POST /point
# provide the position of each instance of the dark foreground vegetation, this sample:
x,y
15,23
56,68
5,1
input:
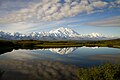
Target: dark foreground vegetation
x,y
106,72
6,46
1,74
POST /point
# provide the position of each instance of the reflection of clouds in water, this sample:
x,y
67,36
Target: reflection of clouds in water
x,y
18,54
107,57
38,70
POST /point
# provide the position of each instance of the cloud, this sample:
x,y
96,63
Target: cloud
x,y
52,10
118,1
17,27
26,27
109,22
99,4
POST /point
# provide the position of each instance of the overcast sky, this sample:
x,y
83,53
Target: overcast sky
x,y
83,16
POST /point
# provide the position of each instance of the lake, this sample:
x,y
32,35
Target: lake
x,y
51,62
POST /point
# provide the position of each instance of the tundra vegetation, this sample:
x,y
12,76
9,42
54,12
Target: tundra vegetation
x,y
107,71
44,44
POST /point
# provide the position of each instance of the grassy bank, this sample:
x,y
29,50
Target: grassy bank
x,y
37,44
105,72
41,44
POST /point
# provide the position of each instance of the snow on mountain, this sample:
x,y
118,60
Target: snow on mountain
x,y
64,32
56,34
95,35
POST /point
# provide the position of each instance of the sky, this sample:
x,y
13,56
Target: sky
x,y
83,16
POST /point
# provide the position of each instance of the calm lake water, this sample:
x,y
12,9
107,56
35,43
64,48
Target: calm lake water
x,y
80,56
52,61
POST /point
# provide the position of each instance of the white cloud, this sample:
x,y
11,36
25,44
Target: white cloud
x,y
17,27
109,22
99,4
118,1
51,10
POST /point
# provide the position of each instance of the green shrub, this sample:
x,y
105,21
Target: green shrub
x,y
105,72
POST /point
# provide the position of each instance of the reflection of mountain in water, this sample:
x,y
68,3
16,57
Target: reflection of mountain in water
x,y
95,47
63,50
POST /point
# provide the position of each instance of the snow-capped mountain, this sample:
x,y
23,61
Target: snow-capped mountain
x,y
56,34
63,32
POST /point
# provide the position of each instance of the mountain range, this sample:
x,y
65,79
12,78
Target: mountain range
x,y
56,34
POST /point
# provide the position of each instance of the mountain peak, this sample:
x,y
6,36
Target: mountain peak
x,y
64,31
96,35
61,28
